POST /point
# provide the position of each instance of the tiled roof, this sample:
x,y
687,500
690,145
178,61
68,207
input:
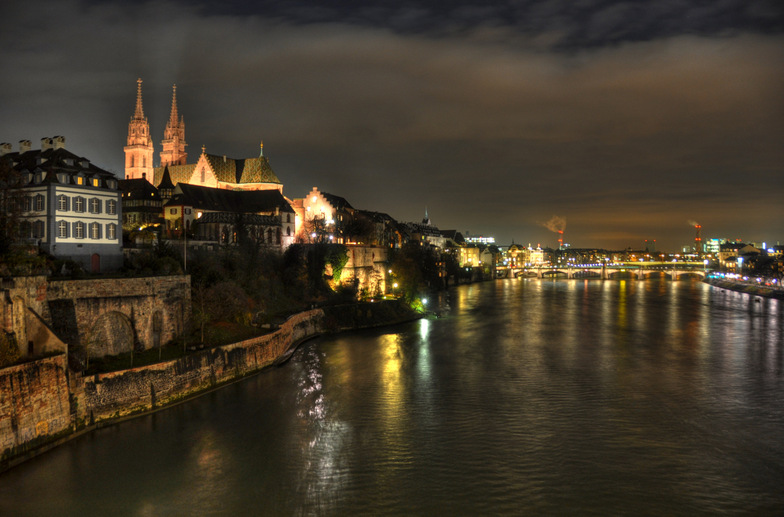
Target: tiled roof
x,y
177,173
257,170
226,170
222,200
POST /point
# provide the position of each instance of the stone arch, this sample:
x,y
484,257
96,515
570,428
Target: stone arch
x,y
111,334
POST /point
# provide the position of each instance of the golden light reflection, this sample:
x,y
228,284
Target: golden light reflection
x,y
622,315
394,419
423,361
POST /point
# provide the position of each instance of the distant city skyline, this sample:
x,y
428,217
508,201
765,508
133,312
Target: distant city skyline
x,y
628,121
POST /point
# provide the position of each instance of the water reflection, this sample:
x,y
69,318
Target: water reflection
x,y
552,396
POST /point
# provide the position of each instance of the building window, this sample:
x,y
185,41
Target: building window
x,y
62,229
96,182
27,203
173,211
62,202
39,230
95,231
79,230
80,180
95,206
39,203
78,204
111,231
111,207
25,230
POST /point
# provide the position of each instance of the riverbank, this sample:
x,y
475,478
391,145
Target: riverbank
x,y
746,287
43,404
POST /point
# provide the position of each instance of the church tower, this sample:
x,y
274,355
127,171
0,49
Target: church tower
x,y
138,152
173,143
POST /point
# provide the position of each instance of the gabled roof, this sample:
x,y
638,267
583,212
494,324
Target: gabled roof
x,y
248,170
222,200
138,188
177,173
454,235
336,201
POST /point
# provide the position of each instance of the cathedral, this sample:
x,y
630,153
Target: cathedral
x,y
209,170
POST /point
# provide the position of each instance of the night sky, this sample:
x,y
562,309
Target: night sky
x,y
626,119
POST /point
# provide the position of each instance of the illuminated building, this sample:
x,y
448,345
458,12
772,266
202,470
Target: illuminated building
x,y
209,170
70,208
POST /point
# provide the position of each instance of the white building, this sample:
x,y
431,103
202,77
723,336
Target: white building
x,y
70,208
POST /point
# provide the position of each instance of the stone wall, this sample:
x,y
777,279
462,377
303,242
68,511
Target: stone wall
x,y
41,402
117,394
367,266
95,316
34,404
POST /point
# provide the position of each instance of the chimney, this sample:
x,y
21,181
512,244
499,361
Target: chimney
x,y
5,148
46,144
24,146
59,142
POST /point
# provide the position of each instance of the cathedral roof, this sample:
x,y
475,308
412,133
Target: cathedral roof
x,y
177,173
248,170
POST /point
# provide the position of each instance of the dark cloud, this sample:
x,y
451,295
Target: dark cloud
x,y
624,118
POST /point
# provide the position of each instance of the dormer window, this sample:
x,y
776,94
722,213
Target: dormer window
x,y
80,180
96,182
62,177
39,176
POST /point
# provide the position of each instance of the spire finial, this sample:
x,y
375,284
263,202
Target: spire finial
x,y
173,118
139,113
261,152
203,149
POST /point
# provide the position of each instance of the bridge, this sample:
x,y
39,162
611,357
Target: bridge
x,y
638,270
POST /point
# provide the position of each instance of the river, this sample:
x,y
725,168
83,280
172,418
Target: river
x,y
532,397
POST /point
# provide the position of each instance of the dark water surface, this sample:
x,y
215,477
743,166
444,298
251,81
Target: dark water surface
x,y
533,397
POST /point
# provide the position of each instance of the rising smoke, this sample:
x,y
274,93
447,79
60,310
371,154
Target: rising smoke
x,y
555,224
692,222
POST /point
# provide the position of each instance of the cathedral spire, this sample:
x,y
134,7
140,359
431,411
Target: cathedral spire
x,y
139,113
174,118
173,144
138,149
